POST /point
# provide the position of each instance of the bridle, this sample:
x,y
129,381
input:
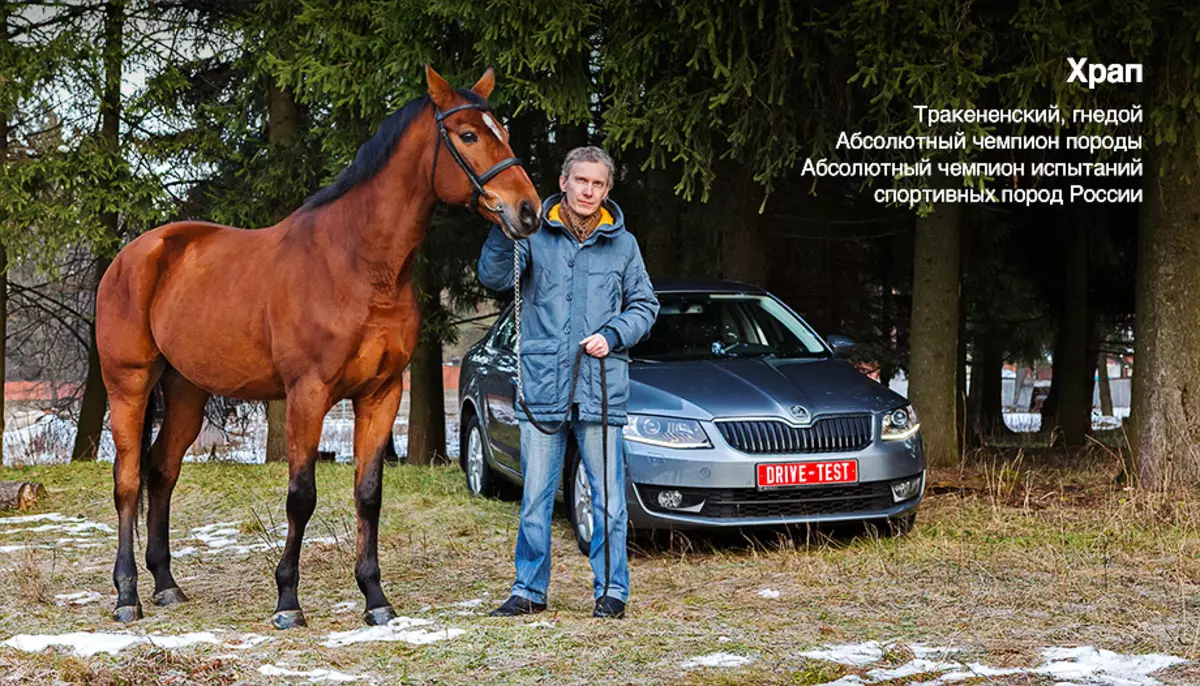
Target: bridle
x,y
477,180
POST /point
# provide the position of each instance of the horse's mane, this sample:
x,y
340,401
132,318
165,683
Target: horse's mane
x,y
373,154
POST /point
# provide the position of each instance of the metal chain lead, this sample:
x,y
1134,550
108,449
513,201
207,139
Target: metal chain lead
x,y
517,316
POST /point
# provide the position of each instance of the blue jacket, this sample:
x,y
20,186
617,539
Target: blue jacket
x,y
569,291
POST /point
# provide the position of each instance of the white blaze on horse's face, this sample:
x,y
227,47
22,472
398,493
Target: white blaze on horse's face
x,y
491,124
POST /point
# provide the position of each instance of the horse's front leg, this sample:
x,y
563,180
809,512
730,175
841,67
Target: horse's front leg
x,y
373,419
306,408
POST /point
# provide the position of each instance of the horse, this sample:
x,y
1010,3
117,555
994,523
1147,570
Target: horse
x,y
315,309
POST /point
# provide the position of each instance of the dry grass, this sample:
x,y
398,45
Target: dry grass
x,y
1013,551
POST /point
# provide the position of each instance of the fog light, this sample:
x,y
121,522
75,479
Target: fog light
x,y
907,489
670,499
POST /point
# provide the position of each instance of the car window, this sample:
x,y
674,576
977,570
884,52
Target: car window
x,y
707,326
504,332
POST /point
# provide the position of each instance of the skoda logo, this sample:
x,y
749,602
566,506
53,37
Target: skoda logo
x,y
799,413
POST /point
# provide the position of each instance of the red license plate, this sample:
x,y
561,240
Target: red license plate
x,y
807,473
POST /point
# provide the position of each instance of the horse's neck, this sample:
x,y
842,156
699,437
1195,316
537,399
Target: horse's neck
x,y
381,223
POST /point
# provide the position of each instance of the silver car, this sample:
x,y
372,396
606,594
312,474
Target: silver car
x,y
740,415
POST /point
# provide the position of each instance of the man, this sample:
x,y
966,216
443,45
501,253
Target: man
x,y
583,283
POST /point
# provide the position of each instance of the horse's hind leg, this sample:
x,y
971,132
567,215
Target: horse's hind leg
x,y
128,392
183,416
373,419
306,408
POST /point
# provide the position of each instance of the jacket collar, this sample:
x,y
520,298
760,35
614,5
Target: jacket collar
x,y
612,219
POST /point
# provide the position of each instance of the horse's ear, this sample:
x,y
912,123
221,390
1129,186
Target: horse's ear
x,y
483,87
440,91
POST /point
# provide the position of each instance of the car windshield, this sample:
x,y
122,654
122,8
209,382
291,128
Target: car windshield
x,y
699,326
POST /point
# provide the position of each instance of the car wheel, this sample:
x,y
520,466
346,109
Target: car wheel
x,y
579,504
480,480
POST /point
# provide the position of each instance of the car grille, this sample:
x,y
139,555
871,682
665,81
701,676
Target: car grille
x,y
771,436
735,503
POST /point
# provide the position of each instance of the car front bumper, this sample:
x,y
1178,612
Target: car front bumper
x,y
719,489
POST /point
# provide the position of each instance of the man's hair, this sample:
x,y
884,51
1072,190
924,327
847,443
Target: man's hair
x,y
589,153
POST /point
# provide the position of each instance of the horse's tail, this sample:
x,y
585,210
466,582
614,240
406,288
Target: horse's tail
x,y
152,405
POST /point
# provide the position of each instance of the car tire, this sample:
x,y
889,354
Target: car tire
x,y
577,496
481,481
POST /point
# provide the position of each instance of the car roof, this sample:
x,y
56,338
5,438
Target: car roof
x,y
704,286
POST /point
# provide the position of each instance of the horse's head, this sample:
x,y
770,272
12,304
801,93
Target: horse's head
x,y
474,164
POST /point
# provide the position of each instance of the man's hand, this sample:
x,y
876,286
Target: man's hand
x,y
595,345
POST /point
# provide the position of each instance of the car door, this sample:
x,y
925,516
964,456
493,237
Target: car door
x,y
498,385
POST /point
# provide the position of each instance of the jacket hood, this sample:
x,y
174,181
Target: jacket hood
x,y
750,387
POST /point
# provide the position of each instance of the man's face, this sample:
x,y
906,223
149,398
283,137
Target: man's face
x,y
586,187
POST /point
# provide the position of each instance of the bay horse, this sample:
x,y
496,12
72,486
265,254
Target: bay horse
x,y
315,309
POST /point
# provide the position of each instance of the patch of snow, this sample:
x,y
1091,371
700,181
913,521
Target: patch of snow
x,y
468,603
49,516
347,606
80,598
311,675
1080,665
12,548
723,639
541,624
716,660
184,552
399,629
86,644
769,593
853,654
76,528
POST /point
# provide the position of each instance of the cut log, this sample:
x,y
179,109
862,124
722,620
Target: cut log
x,y
20,495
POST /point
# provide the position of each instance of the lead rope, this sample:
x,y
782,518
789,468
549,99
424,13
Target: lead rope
x,y
563,423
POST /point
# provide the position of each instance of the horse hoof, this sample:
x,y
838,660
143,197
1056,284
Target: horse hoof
x,y
128,613
379,616
169,597
288,619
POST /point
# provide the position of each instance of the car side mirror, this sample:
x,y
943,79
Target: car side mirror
x,y
842,346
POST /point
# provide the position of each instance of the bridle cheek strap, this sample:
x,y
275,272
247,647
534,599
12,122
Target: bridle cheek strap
x,y
477,180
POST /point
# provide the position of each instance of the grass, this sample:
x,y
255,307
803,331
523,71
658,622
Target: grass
x,y
1010,554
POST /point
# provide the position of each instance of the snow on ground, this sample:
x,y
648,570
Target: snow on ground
x,y
222,538
311,675
768,593
48,439
716,660
82,532
80,598
399,629
1079,665
86,644
1031,422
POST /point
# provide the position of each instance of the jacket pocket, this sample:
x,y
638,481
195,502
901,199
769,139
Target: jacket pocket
x,y
616,368
604,296
539,371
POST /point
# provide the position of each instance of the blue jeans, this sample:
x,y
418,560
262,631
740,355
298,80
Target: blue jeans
x,y
541,468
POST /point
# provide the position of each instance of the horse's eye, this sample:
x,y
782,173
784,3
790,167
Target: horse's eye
x,y
469,137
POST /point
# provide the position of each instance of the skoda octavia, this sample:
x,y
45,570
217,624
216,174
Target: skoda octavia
x,y
740,415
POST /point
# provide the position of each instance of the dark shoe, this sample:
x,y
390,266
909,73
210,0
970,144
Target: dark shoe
x,y
516,605
610,608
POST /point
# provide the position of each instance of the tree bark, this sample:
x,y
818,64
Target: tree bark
x,y
95,396
1166,382
1105,392
933,337
3,248
283,129
1072,362
427,410
20,495
659,225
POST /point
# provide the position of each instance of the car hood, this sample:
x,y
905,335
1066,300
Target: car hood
x,y
704,389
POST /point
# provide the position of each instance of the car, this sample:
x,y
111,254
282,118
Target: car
x,y
740,415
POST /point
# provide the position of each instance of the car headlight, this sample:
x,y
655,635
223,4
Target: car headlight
x,y
900,424
666,432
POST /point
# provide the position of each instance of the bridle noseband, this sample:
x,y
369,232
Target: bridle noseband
x,y
477,180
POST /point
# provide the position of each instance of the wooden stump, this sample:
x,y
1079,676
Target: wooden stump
x,y
20,495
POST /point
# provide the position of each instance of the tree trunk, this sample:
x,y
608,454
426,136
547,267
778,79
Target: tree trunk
x,y
1105,392
933,336
20,495
427,410
1072,362
743,257
3,248
95,396
658,228
1166,382
283,129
